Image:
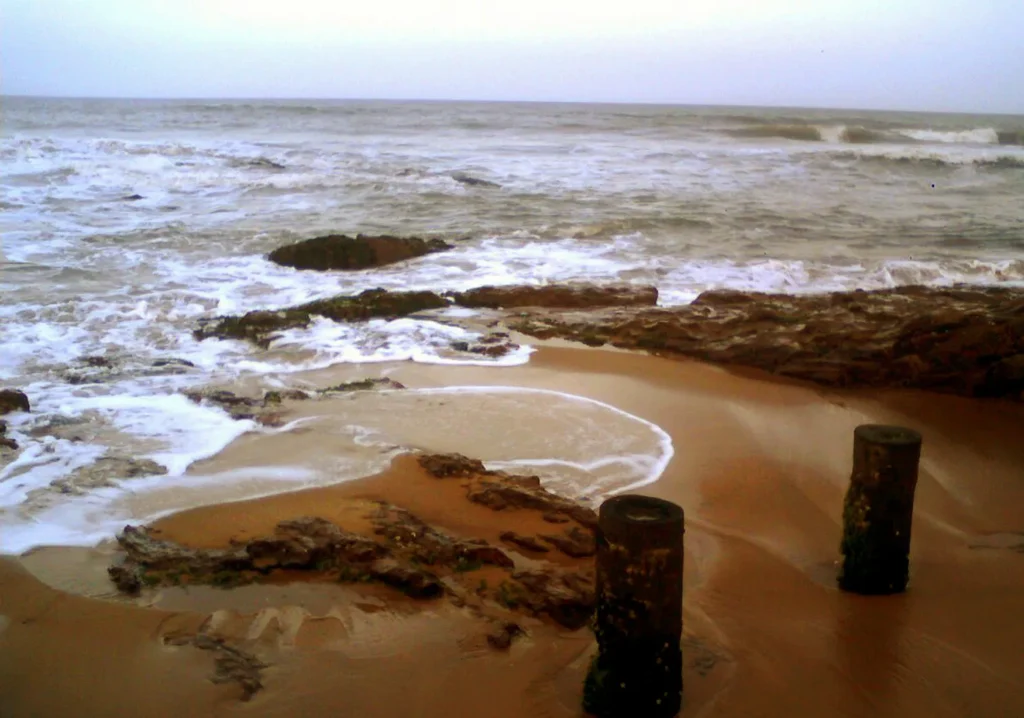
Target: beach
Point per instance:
(308, 406)
(760, 467)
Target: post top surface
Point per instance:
(645, 510)
(888, 435)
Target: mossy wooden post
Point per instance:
(878, 509)
(638, 670)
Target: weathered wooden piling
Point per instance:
(638, 670)
(878, 509)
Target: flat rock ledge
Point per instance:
(960, 340)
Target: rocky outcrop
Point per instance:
(13, 400)
(567, 296)
(426, 545)
(574, 542)
(261, 326)
(568, 597)
(529, 543)
(337, 251)
(399, 550)
(961, 340)
(314, 544)
(499, 490)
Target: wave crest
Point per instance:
(860, 134)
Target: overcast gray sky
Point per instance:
(965, 55)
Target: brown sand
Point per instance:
(760, 467)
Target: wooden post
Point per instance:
(638, 670)
(878, 509)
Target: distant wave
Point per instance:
(911, 156)
(233, 107)
(858, 134)
(807, 133)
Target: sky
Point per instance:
(941, 55)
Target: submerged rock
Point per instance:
(570, 296)
(13, 400)
(5, 442)
(471, 181)
(962, 340)
(265, 410)
(338, 251)
(261, 326)
(361, 385)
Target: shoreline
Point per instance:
(760, 467)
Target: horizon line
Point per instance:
(642, 103)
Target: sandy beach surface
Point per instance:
(760, 466)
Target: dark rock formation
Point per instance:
(569, 296)
(361, 385)
(494, 344)
(427, 545)
(413, 582)
(471, 181)
(337, 251)
(13, 400)
(575, 542)
(443, 466)
(525, 542)
(261, 326)
(565, 596)
(500, 638)
(399, 550)
(499, 490)
(962, 340)
(314, 544)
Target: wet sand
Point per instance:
(760, 467)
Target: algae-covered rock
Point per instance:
(558, 295)
(962, 340)
(260, 326)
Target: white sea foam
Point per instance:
(380, 340)
(682, 284)
(599, 450)
(978, 136)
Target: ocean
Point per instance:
(126, 221)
